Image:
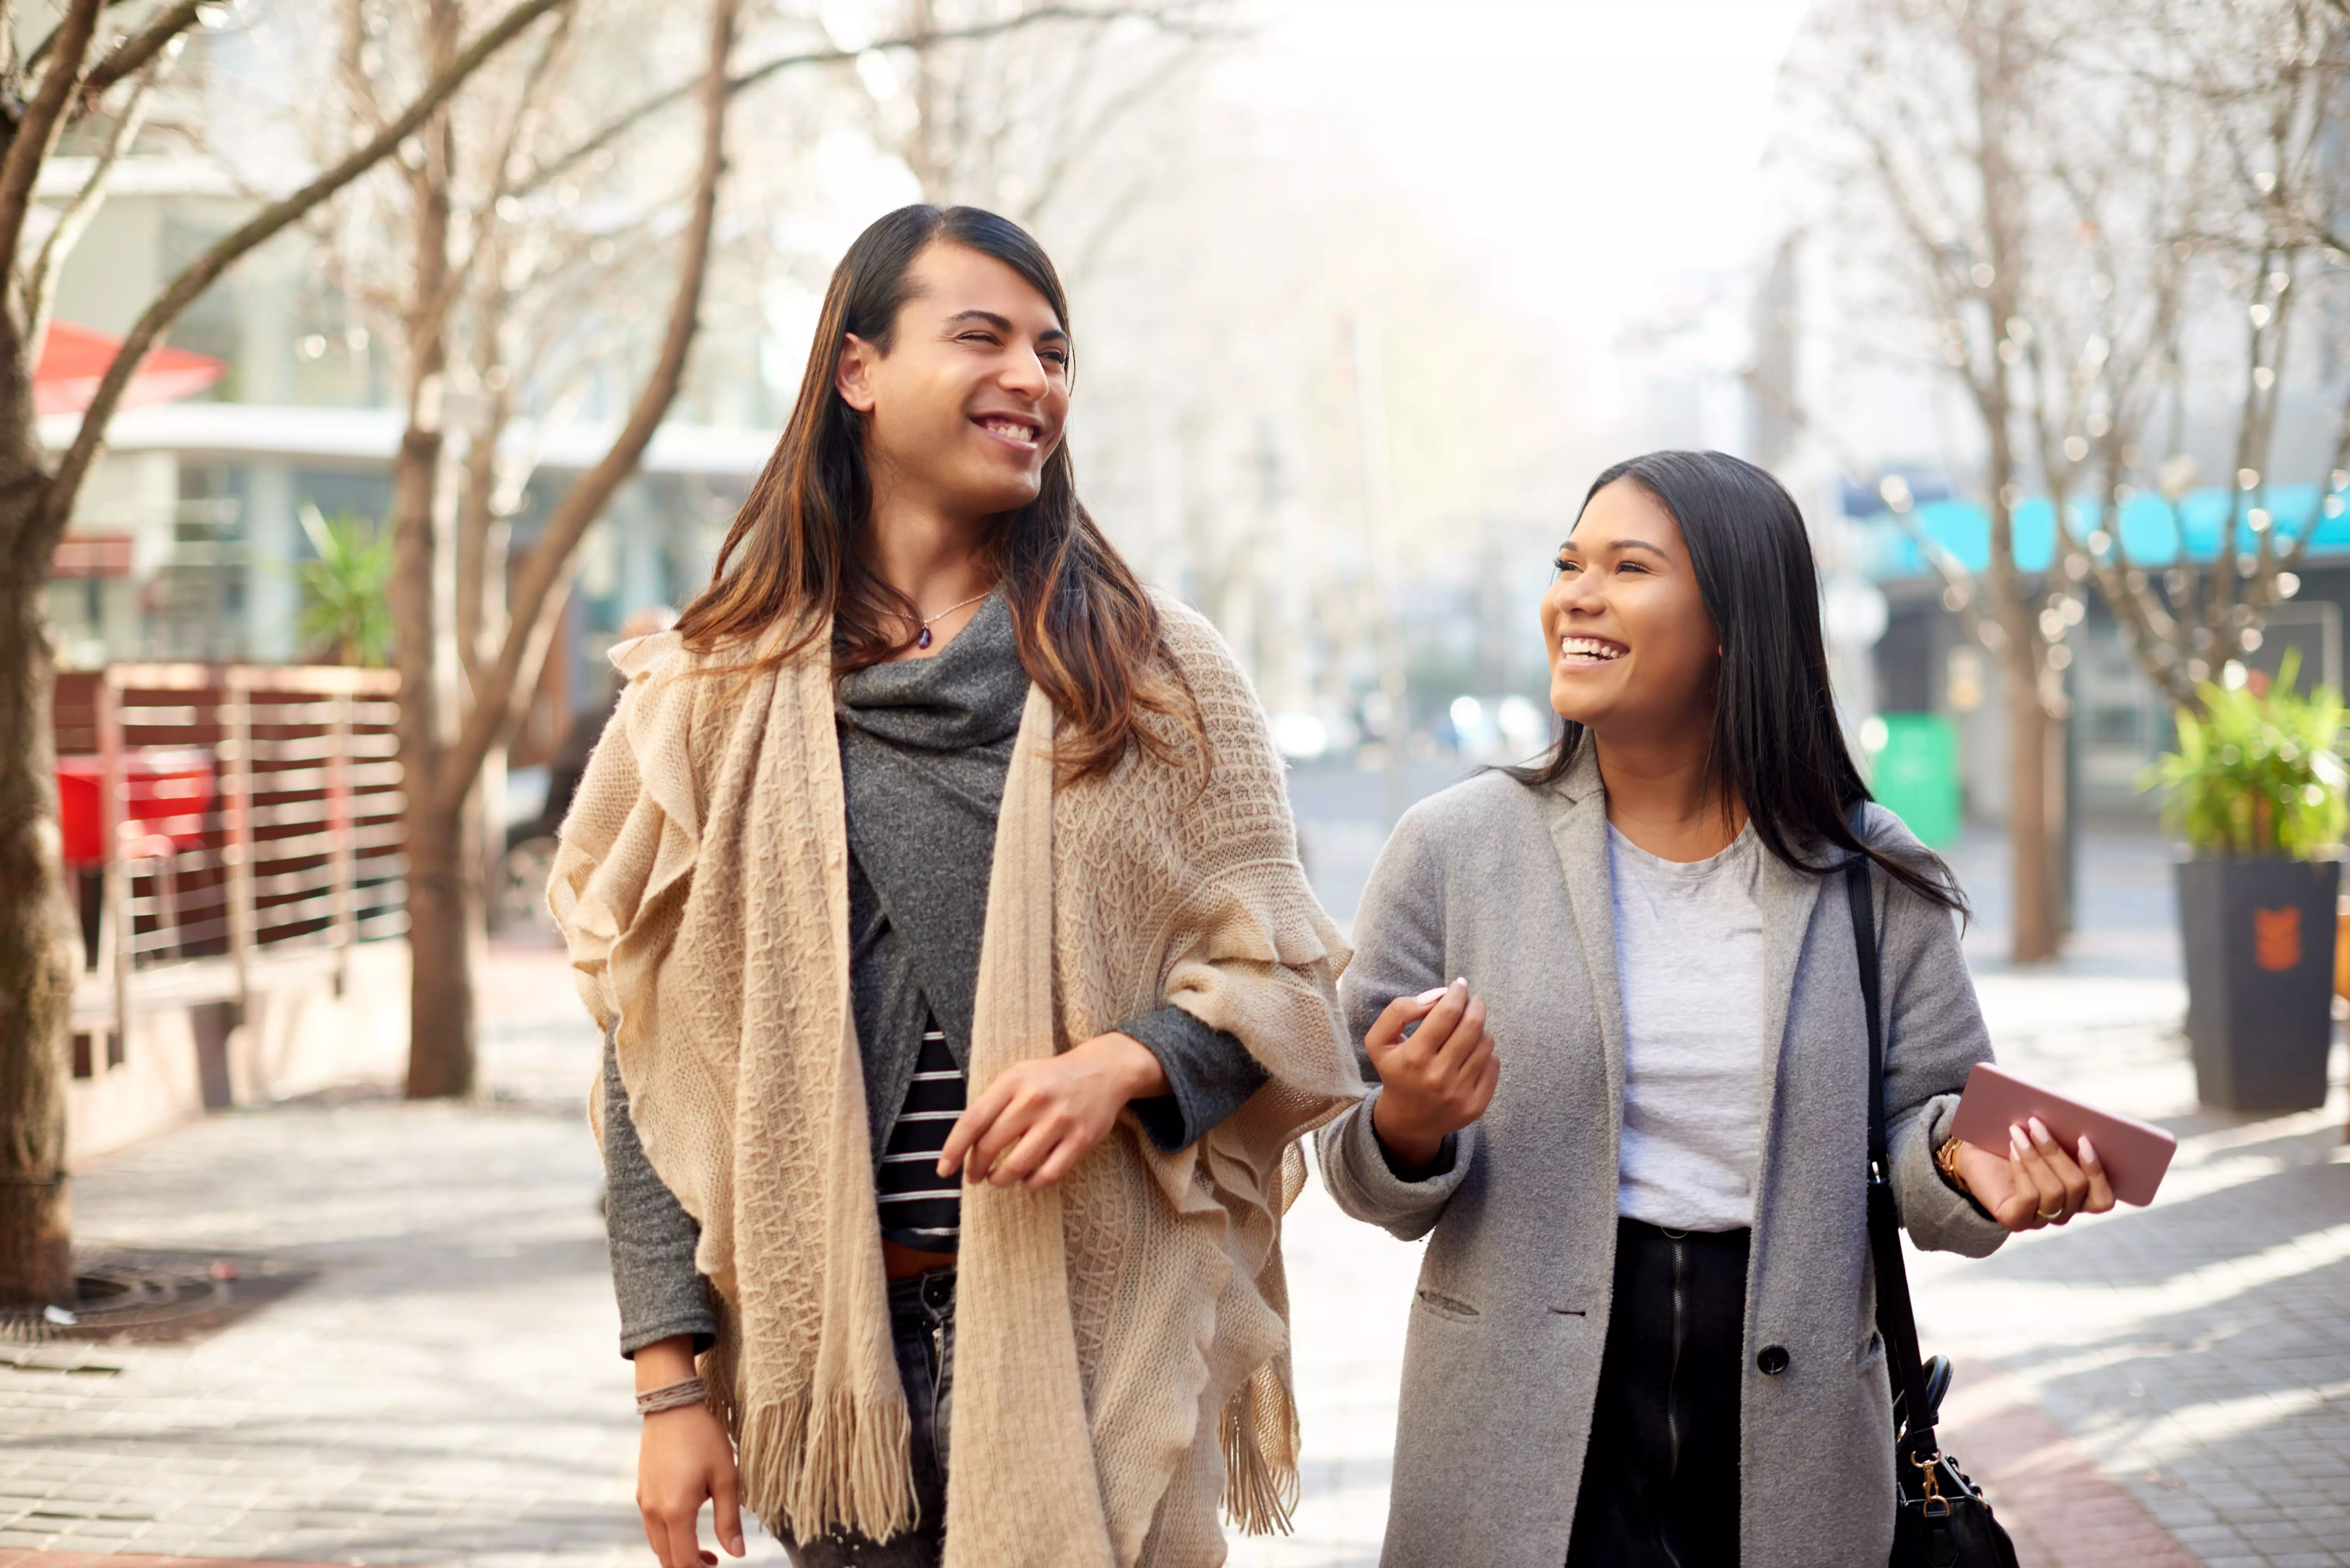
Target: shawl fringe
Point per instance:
(838, 1463)
(1261, 1490)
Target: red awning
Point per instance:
(75, 358)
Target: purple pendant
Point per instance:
(924, 640)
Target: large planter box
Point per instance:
(2259, 936)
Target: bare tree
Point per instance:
(67, 78)
(484, 306)
(1935, 102)
(2241, 226)
(1016, 120)
(450, 254)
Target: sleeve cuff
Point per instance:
(1355, 1167)
(1938, 1216)
(1210, 1075)
(1447, 1153)
(701, 1326)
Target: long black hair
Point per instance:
(1776, 746)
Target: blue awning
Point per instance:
(2150, 532)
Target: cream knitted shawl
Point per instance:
(1121, 1340)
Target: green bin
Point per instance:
(1914, 772)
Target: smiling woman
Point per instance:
(1698, 653)
(936, 890)
(1635, 1123)
(949, 392)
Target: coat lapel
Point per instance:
(1577, 813)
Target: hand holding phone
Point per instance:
(2031, 1156)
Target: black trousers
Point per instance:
(922, 1330)
(1660, 1478)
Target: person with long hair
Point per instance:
(963, 999)
(1622, 1067)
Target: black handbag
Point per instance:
(1939, 1517)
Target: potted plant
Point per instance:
(2255, 788)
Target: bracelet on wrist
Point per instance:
(672, 1396)
(1946, 1161)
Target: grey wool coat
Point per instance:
(1508, 885)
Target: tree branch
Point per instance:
(351, 67)
(546, 569)
(157, 318)
(133, 53)
(41, 50)
(1065, 157)
(40, 286)
(476, 517)
(759, 73)
(44, 117)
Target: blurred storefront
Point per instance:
(1927, 664)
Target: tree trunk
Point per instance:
(440, 1029)
(39, 945)
(439, 944)
(40, 954)
(444, 917)
(2034, 932)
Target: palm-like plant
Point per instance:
(345, 610)
(2258, 772)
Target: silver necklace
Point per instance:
(922, 637)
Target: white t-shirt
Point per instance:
(1688, 955)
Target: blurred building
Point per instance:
(272, 395)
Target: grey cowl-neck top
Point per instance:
(925, 746)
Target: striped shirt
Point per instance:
(919, 1208)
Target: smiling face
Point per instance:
(972, 393)
(1634, 653)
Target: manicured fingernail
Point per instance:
(2088, 1155)
(2016, 1140)
(1430, 994)
(2040, 1132)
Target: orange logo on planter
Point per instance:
(2276, 938)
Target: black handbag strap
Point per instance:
(1895, 1323)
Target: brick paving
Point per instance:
(15, 1559)
(446, 1392)
(2154, 1388)
(2197, 1351)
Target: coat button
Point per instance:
(1772, 1360)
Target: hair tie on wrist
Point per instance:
(672, 1396)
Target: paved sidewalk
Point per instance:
(2154, 1388)
(2197, 1351)
(12, 1558)
(446, 1392)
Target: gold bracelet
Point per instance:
(1946, 1161)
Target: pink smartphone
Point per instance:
(2134, 1153)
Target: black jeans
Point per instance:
(1660, 1478)
(921, 1329)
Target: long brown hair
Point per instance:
(797, 554)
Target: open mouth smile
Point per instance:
(1579, 652)
(1022, 434)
